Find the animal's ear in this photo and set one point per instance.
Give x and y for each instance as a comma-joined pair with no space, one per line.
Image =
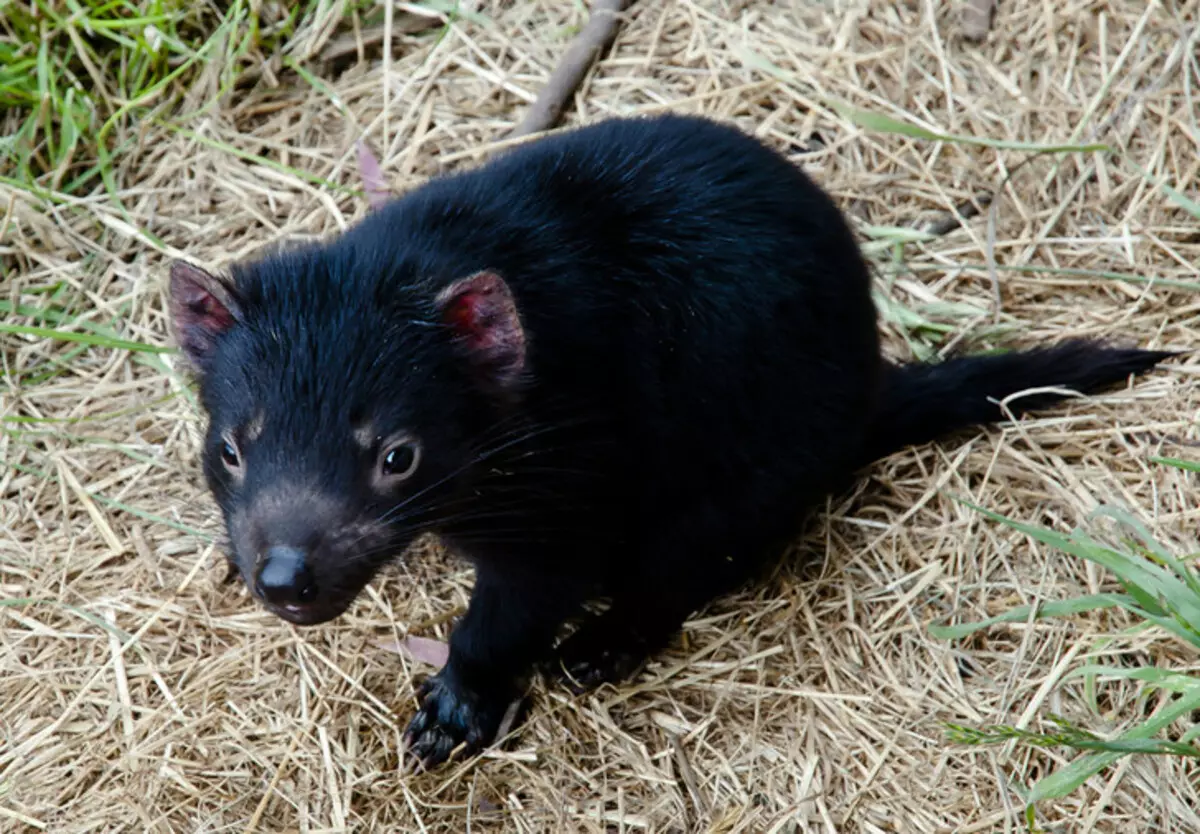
482,314
203,308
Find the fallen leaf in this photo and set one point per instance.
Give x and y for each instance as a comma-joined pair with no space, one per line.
433,652
371,175
977,18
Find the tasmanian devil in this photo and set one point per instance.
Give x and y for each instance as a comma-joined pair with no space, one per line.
620,363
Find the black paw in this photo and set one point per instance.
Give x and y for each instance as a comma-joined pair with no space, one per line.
594,655
453,719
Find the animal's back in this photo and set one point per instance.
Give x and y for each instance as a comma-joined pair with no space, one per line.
679,276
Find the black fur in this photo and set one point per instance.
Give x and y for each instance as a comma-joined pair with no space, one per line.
701,367
922,402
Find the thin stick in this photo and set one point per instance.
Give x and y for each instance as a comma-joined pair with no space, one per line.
589,44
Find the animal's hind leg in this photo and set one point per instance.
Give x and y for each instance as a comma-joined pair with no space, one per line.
611,647
681,570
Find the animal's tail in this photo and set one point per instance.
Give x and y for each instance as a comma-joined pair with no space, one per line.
921,402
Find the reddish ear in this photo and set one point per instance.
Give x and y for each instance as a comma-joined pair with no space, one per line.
483,315
202,308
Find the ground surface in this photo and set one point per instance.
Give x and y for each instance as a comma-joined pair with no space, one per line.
142,695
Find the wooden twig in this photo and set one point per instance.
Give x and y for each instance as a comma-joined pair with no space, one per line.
589,44
593,39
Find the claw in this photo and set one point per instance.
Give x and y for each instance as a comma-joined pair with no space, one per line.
452,719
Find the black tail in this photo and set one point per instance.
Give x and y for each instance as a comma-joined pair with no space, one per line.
921,402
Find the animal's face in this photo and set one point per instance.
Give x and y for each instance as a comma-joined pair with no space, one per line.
316,501
340,428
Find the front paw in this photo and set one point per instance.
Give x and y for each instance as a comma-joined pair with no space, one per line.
453,718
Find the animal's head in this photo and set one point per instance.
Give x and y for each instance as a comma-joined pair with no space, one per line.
344,419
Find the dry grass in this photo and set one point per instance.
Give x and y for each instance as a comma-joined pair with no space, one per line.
141,694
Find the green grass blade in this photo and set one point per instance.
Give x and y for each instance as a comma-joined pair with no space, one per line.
1101,275
1176,682
83,338
262,160
1070,778
886,124
1141,746
117,505
880,123
99,622
1167,601
1057,608
21,419
1185,465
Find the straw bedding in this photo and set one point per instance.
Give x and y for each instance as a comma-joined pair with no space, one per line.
140,694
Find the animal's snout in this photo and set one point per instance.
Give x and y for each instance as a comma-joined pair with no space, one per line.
284,578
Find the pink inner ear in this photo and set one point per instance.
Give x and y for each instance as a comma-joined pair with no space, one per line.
483,313
202,308
463,314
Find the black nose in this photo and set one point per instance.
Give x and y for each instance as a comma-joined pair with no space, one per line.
283,578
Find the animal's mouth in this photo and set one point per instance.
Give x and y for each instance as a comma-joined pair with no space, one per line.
305,615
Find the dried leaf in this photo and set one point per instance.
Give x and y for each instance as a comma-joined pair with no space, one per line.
423,649
977,18
371,175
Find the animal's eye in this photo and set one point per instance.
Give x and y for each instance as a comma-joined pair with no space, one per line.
229,453
401,460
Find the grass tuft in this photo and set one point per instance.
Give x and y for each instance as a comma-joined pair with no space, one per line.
77,77
1161,591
